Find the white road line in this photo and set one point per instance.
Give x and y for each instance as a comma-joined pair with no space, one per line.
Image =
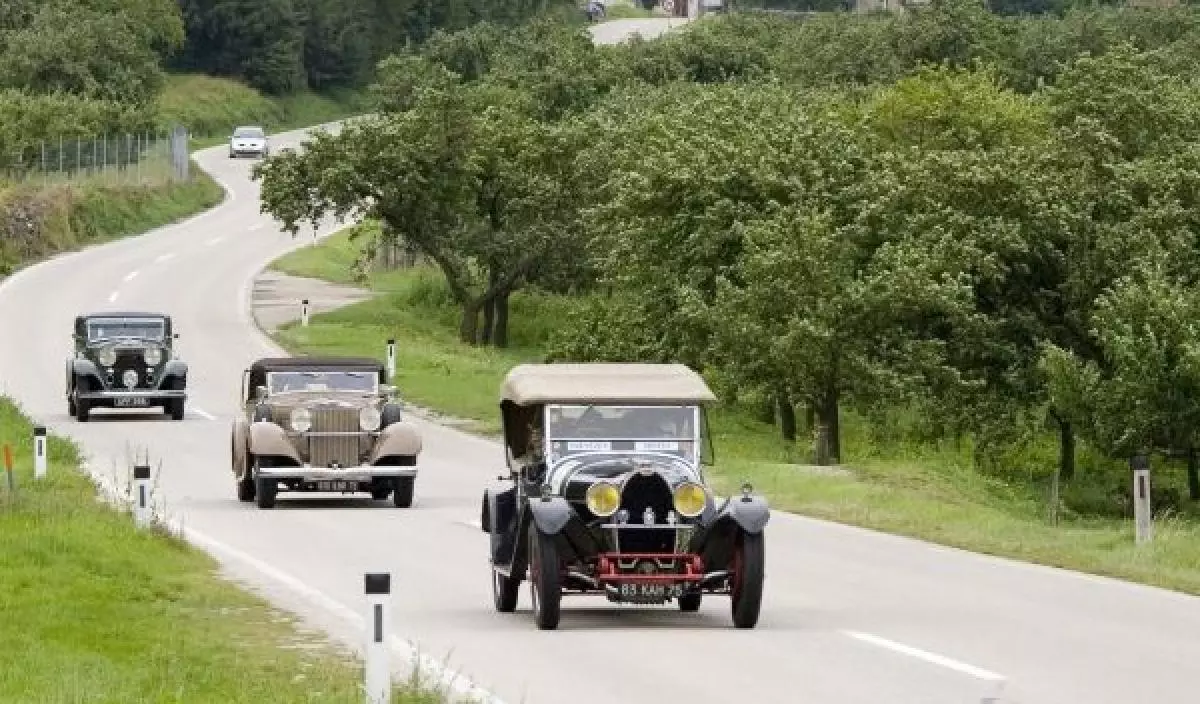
934,658
163,257
112,296
130,276
256,226
202,413
216,240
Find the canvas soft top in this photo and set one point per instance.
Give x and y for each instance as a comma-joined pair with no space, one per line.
604,382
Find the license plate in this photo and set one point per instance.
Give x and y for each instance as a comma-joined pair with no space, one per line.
337,485
633,590
132,402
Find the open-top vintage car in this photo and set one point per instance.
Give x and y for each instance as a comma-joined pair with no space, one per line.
322,424
125,360
608,495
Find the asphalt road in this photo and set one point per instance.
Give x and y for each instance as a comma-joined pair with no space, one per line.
849,616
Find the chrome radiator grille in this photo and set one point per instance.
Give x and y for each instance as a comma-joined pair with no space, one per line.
324,451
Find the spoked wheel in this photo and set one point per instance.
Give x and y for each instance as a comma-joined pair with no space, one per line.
505,591
545,581
747,581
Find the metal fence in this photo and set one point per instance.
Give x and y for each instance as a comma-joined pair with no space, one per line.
144,157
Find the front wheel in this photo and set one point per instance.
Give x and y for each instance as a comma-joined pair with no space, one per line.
505,592
545,581
690,602
264,488
403,495
749,560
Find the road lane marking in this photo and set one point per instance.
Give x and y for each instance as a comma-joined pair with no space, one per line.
256,226
112,296
202,413
216,240
933,658
164,257
130,276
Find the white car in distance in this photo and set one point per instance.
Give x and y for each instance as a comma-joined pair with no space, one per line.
249,139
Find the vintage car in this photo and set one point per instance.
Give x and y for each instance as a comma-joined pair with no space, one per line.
608,496
322,424
125,360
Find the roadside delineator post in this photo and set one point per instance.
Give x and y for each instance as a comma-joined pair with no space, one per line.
141,495
391,359
304,312
378,675
39,452
1142,518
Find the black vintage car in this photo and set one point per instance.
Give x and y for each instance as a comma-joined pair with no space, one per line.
607,494
125,360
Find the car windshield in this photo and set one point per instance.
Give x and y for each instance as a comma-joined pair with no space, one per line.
109,328
575,429
287,382
248,133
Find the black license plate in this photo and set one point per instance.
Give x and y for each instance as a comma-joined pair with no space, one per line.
132,402
337,485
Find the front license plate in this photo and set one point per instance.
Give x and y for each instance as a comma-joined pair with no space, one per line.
631,590
132,402
337,485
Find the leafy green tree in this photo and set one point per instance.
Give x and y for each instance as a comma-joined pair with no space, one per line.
260,41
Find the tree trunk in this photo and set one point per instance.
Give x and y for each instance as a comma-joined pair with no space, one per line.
829,432
1193,474
500,304
468,329
1066,448
489,321
787,416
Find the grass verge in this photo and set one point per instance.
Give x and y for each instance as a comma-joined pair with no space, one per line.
211,107
96,610
933,493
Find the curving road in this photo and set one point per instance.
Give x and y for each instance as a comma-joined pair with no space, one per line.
849,616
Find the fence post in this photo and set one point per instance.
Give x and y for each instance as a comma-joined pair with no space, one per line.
39,452
377,674
141,498
304,312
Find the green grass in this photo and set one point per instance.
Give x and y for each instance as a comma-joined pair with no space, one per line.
210,107
930,492
95,610
619,11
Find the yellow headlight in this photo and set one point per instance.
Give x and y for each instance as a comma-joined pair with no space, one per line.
603,499
689,499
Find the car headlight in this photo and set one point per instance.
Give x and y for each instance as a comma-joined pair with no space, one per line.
369,419
690,499
603,499
301,420
106,356
152,355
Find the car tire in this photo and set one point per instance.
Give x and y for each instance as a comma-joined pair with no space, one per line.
690,602
506,591
264,489
246,489
747,584
402,496
545,581
379,492
176,408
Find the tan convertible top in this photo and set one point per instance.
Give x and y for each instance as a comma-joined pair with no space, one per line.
603,382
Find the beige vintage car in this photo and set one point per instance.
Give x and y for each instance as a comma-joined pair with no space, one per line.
322,424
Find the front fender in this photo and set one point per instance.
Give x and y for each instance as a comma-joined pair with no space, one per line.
86,368
751,513
400,439
175,367
550,516
269,440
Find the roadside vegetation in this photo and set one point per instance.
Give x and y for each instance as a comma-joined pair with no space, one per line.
946,256
96,610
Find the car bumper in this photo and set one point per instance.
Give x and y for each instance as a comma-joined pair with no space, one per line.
362,473
139,395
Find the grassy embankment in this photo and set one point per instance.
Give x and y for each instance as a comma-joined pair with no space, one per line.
95,610
934,493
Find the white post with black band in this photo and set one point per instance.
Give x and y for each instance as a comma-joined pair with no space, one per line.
304,312
39,452
378,674
391,359
1142,516
141,495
